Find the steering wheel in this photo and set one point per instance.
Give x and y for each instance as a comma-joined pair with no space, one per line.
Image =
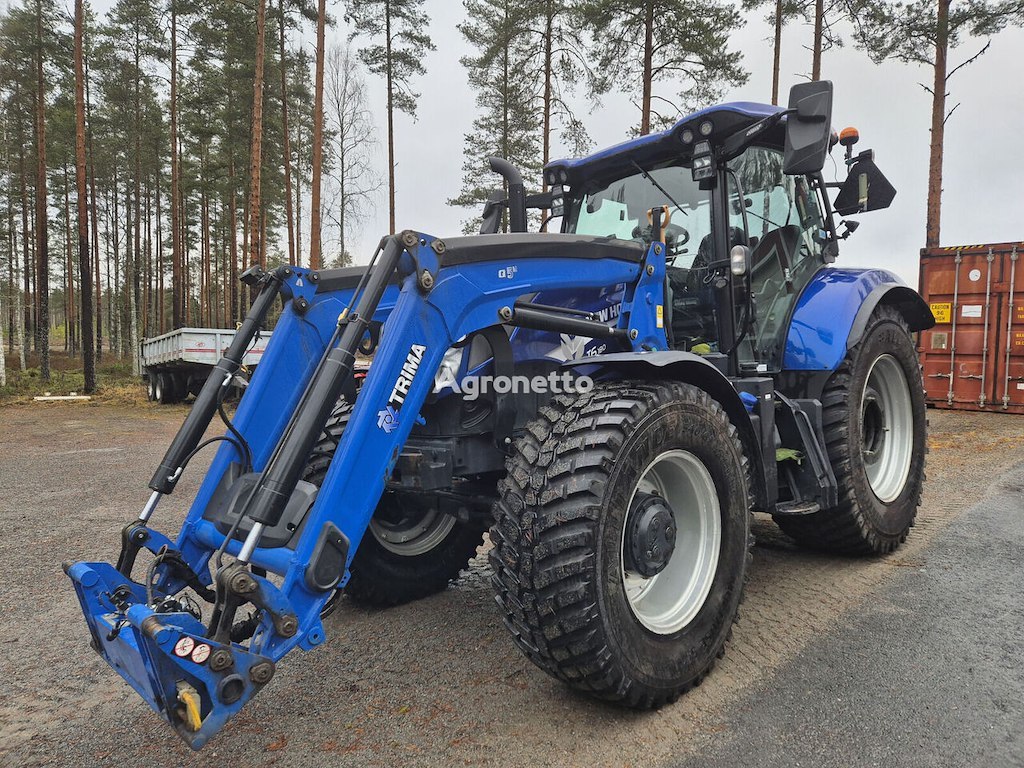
675,236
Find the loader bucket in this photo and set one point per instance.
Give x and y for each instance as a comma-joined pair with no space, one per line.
195,684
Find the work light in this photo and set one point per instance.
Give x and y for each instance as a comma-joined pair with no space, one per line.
702,167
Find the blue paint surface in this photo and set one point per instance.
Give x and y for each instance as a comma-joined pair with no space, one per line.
824,316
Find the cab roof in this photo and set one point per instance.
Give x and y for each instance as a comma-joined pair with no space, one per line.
656,148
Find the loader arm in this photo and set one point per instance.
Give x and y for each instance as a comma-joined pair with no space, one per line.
291,547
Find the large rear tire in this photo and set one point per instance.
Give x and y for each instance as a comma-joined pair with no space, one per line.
592,586
410,550
873,412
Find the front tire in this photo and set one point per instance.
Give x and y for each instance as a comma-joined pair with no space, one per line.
410,550
873,412
578,595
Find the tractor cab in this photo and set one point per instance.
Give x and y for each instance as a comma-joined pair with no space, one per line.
736,194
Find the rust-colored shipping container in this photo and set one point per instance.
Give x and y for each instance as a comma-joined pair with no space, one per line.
973,359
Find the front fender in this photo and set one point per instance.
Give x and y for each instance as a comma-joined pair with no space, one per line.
833,311
675,365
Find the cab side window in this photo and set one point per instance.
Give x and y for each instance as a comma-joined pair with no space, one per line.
786,232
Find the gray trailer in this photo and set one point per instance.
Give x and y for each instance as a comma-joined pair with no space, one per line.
176,364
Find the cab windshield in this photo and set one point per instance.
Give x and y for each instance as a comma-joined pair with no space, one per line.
620,209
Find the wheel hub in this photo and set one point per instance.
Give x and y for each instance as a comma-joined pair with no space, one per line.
650,535
875,428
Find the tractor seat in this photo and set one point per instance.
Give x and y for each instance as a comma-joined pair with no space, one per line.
778,248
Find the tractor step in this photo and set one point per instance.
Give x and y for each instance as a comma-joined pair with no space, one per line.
796,508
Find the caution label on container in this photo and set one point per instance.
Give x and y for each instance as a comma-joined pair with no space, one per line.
942,310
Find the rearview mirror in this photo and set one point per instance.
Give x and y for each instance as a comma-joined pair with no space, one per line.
865,189
808,127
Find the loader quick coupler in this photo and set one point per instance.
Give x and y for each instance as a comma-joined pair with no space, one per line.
236,586
136,536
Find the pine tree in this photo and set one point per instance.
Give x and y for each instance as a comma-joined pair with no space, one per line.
508,124
923,32
677,40
84,254
315,233
401,27
256,245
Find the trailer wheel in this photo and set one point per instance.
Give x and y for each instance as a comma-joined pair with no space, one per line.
151,386
409,550
873,411
163,390
622,540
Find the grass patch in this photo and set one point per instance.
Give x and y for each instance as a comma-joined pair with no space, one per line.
114,381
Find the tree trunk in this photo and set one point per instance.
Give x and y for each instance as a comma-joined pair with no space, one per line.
177,273
161,325
137,201
819,20
286,144
98,309
931,239
549,18
206,293
315,256
645,104
115,296
20,328
391,119
298,191
3,357
255,155
69,272
130,281
42,244
233,224
25,248
778,52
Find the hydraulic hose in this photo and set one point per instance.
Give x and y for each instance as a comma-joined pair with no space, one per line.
205,407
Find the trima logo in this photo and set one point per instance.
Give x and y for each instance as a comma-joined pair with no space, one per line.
387,418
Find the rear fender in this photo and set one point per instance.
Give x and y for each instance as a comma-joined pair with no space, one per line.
832,314
692,369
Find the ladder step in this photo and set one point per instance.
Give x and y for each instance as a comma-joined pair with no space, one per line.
796,508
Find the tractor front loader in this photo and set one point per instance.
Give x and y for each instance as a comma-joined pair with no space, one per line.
686,352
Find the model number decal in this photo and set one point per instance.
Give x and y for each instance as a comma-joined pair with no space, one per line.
387,417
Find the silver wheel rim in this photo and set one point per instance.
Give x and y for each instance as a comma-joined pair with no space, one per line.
887,428
669,600
414,536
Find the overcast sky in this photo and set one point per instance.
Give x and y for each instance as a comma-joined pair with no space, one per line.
984,191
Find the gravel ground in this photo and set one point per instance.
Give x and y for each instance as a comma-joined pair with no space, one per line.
433,683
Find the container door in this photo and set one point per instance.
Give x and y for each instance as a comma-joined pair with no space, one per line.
958,353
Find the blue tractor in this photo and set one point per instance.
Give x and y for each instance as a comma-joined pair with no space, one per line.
611,401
